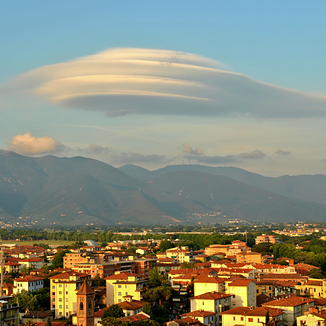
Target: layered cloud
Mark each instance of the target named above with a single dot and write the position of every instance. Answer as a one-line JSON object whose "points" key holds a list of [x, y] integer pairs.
{"points": [[226, 159], [144, 81], [116, 157], [282, 152], [29, 144]]}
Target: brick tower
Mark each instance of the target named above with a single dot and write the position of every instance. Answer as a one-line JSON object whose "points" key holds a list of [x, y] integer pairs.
{"points": [[85, 305]]}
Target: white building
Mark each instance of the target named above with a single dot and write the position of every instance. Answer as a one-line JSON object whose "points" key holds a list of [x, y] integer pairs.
{"points": [[29, 283]]}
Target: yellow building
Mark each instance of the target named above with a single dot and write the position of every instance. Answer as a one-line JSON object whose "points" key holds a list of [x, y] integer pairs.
{"points": [[63, 289], [248, 257], [244, 292], [266, 287], [124, 284], [204, 284], [312, 289], [9, 314]]}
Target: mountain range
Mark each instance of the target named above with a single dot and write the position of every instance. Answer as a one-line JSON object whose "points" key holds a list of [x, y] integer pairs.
{"points": [[57, 191]]}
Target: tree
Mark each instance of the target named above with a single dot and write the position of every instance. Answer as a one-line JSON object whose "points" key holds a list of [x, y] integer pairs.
{"points": [[48, 322], [316, 273], [111, 321], [42, 298], [113, 311], [154, 277], [186, 264], [25, 300], [162, 295], [57, 261], [265, 248], [147, 309], [165, 245], [98, 281]]}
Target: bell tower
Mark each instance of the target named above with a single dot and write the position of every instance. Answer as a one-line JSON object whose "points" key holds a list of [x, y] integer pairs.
{"points": [[85, 305]]}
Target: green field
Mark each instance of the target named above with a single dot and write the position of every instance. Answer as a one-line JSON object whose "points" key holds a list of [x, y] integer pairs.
{"points": [[31, 242]]}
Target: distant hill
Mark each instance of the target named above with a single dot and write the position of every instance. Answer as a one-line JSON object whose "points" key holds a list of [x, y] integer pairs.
{"points": [[303, 187], [78, 191]]}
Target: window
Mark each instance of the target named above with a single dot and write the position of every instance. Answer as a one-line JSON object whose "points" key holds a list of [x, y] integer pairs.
{"points": [[119, 300], [53, 293], [66, 306], [119, 286], [250, 320], [233, 318], [66, 299], [60, 292], [60, 307], [81, 306], [53, 287], [241, 318], [119, 293], [60, 299], [66, 292], [126, 293], [60, 285]]}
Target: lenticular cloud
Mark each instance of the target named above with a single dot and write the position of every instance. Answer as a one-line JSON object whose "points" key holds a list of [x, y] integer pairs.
{"points": [[143, 81]]}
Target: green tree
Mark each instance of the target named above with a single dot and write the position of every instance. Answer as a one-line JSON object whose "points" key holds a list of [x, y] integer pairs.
{"points": [[48, 322], [111, 321], [147, 309], [98, 281], [154, 277], [57, 261], [186, 264], [265, 248], [165, 245], [26, 300], [316, 273], [42, 298], [162, 295], [113, 311]]}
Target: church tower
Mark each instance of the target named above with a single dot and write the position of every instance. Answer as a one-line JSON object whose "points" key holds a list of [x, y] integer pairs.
{"points": [[85, 305]]}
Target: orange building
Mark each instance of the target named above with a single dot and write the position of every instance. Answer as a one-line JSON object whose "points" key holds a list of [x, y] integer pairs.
{"points": [[248, 257]]}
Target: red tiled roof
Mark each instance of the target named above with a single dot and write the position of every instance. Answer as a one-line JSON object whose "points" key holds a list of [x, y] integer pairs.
{"points": [[199, 313], [236, 311], [262, 311], [67, 274], [211, 296], [28, 278], [135, 318], [121, 276], [85, 289], [288, 302], [131, 305], [240, 283]]}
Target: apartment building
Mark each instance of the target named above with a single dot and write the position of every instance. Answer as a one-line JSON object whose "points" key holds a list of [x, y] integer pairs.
{"points": [[63, 289], [266, 238], [122, 285]]}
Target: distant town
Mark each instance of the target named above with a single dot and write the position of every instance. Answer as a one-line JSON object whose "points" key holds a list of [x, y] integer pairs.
{"points": [[235, 274]]}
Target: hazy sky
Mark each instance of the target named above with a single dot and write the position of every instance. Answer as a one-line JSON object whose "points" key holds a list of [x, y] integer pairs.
{"points": [[220, 83]]}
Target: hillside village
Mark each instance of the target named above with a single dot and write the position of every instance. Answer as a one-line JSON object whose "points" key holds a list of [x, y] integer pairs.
{"points": [[164, 282]]}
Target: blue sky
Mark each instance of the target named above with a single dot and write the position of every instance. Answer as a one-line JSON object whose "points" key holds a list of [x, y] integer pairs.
{"points": [[280, 43]]}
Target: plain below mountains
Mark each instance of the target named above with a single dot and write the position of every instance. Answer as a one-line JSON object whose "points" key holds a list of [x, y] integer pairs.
{"points": [[81, 191]]}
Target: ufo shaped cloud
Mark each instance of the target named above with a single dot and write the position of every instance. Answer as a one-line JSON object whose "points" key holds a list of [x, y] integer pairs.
{"points": [[143, 81]]}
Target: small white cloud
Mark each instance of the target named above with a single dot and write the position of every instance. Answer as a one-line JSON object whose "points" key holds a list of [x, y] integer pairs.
{"points": [[253, 155], [29, 144], [189, 150], [282, 152], [257, 154]]}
